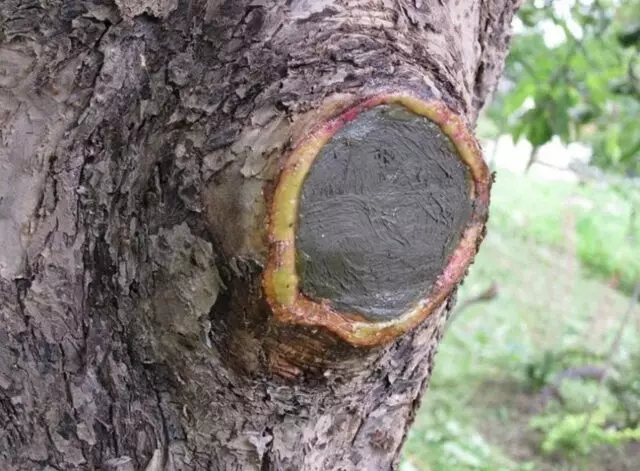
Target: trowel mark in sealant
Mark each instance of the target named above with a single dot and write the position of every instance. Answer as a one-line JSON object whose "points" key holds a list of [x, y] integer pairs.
{"points": [[381, 209]]}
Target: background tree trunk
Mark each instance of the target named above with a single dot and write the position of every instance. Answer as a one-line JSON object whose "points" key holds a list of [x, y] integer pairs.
{"points": [[139, 139]]}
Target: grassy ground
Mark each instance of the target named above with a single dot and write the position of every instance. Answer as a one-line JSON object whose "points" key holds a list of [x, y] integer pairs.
{"points": [[589, 221], [556, 253]]}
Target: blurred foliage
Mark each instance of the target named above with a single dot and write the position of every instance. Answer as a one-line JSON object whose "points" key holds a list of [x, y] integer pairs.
{"points": [[578, 425], [541, 370], [625, 388], [580, 433], [586, 411], [584, 86]]}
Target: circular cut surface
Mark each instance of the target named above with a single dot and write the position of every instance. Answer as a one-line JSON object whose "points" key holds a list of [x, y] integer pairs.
{"points": [[381, 209]]}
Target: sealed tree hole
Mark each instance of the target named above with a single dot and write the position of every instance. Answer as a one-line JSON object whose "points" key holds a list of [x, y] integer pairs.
{"points": [[381, 209]]}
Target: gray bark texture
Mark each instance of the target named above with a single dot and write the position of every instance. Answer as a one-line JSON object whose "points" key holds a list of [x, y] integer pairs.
{"points": [[137, 141]]}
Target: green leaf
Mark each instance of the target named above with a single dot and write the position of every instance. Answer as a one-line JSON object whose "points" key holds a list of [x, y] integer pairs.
{"points": [[630, 36], [517, 98], [539, 131], [612, 148], [518, 130]]}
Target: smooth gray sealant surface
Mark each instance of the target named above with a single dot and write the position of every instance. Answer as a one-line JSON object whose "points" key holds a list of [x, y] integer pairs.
{"points": [[382, 208]]}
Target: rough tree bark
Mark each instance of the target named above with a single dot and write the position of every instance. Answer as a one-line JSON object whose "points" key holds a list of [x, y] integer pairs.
{"points": [[142, 144]]}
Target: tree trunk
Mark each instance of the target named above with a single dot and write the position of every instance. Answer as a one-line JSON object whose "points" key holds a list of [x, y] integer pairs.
{"points": [[168, 298]]}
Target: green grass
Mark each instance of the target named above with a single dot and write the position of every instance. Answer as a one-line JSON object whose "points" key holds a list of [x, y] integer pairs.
{"points": [[541, 251], [548, 213]]}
